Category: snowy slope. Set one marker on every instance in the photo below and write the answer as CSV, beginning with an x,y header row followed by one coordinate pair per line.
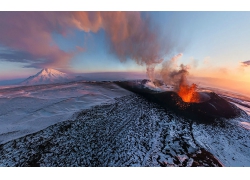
x,y
47,76
27,109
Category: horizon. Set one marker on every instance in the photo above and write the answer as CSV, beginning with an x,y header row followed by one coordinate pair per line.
x,y
240,87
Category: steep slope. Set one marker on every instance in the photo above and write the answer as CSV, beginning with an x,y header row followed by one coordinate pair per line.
x,y
46,76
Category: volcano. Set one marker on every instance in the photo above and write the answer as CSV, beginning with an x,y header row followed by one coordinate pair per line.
x,y
209,107
47,76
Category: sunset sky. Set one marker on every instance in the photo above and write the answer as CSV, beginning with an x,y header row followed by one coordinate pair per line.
x,y
214,44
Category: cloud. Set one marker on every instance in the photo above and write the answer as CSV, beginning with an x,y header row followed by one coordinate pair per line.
x,y
245,63
133,37
130,36
15,56
30,33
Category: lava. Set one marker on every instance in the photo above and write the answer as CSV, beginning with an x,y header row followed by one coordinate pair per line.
x,y
188,93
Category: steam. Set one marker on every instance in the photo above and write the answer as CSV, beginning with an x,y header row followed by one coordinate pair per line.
x,y
170,74
151,70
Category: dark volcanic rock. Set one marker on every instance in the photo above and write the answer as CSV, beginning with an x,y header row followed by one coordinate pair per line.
x,y
215,107
144,81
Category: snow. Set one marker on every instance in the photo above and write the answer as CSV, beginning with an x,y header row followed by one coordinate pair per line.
x,y
245,125
24,110
228,141
47,76
162,88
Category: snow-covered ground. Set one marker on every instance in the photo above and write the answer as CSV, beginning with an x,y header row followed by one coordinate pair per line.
x,y
101,124
27,109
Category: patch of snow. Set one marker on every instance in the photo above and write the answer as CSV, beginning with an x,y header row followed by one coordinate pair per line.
x,y
162,88
213,106
182,158
190,162
245,125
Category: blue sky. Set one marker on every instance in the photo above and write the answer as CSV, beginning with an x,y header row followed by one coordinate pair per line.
x,y
216,42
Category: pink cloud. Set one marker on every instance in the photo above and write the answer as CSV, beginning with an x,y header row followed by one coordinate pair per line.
x,y
129,34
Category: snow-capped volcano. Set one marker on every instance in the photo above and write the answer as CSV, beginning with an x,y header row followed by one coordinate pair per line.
x,y
46,76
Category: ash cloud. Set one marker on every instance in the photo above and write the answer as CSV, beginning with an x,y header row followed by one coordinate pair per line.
x,y
174,74
170,73
130,36
177,76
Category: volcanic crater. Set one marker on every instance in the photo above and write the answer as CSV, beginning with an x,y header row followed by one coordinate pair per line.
x,y
207,106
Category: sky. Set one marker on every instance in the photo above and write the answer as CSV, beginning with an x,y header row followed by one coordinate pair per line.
x,y
213,44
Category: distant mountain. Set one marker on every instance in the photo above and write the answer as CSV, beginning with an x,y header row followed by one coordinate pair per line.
x,y
47,76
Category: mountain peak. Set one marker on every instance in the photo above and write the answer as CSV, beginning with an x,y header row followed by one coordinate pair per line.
x,y
47,71
46,76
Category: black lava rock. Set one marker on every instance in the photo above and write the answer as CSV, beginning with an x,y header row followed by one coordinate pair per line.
x,y
214,108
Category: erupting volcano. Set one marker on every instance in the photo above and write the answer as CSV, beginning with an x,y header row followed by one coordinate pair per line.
x,y
186,100
189,93
178,78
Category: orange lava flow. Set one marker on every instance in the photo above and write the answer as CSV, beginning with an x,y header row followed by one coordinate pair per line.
x,y
188,93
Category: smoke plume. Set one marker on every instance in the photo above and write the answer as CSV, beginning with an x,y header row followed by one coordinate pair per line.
x,y
173,75
169,72
131,36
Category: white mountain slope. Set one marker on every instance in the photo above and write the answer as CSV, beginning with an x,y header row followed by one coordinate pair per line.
x,y
47,76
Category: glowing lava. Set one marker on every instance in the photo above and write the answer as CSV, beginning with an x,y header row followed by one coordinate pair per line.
x,y
188,93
